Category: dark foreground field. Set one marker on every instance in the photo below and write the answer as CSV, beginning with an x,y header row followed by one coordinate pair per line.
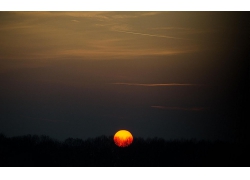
x,y
42,151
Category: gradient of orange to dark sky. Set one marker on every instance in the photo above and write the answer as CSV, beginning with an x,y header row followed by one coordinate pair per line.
x,y
158,74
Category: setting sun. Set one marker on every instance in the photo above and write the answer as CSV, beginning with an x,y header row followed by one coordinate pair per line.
x,y
123,138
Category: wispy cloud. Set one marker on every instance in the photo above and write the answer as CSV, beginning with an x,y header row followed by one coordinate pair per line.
x,y
110,51
150,13
180,108
86,14
154,85
171,28
152,35
76,21
16,26
85,35
185,30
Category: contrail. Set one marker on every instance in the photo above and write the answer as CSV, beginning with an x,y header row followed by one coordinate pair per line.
x,y
153,85
153,35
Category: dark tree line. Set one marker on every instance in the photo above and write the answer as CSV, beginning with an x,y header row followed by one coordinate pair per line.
x,y
43,151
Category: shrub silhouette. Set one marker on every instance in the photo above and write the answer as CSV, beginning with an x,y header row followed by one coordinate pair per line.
x,y
43,151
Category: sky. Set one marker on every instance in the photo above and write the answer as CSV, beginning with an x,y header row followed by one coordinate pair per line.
x,y
171,75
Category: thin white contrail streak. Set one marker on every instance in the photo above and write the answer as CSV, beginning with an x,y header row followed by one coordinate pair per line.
x,y
153,85
153,35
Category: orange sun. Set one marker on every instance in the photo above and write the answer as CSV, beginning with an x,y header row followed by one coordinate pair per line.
x,y
123,138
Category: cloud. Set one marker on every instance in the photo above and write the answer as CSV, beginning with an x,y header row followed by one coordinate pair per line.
x,y
152,35
180,108
16,26
120,28
154,85
150,13
76,21
79,14
100,51
123,16
186,30
100,15
171,28
133,15
98,35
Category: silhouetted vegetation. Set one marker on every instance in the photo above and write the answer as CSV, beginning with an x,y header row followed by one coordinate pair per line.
x,y
42,151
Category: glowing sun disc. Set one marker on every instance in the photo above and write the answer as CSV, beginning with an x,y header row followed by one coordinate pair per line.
x,y
123,138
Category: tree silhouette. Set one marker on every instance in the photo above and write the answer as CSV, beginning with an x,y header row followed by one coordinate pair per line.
x,y
43,151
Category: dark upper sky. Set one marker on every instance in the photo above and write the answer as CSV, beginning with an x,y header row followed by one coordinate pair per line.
x,y
157,74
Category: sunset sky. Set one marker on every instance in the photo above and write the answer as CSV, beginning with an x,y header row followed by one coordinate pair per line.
x,y
172,75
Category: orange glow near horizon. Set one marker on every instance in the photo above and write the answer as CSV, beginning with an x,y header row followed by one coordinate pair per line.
x,y
123,138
